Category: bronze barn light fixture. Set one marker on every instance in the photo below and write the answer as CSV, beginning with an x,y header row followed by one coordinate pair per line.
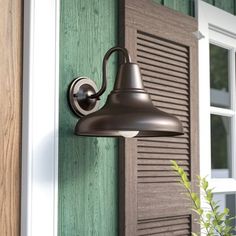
x,y
128,111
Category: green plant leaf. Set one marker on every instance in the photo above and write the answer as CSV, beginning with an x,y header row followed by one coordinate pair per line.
x,y
213,222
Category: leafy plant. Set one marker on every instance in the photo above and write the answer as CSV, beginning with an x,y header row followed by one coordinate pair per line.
x,y
212,221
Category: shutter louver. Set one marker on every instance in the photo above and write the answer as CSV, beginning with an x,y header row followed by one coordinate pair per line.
x,y
165,226
155,69
151,200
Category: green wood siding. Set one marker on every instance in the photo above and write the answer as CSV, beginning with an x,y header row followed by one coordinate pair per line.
x,y
227,5
187,6
88,181
183,6
87,166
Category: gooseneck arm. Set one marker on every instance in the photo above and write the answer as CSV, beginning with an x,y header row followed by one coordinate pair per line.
x,y
104,69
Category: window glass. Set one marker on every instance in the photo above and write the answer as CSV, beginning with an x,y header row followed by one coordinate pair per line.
x,y
226,201
219,78
220,146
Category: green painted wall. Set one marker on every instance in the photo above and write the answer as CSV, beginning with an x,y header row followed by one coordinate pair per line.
x,y
87,166
184,6
227,5
88,181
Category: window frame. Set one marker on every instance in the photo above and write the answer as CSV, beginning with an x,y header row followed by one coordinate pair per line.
x,y
218,27
40,112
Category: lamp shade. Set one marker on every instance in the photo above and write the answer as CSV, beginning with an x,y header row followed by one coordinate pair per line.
x,y
129,111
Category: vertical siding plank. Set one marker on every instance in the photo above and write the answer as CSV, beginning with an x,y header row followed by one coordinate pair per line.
x,y
159,1
234,7
87,166
11,19
229,5
210,1
192,8
225,5
182,6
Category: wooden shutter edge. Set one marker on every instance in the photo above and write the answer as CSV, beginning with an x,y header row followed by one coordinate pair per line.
x,y
194,123
127,159
127,186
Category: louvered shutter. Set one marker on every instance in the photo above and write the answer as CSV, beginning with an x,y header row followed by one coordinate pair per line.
x,y
162,42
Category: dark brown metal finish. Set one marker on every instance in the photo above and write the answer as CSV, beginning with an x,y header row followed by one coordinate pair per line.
x,y
104,68
129,108
79,91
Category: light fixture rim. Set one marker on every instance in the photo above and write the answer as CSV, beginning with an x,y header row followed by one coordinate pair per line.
x,y
116,134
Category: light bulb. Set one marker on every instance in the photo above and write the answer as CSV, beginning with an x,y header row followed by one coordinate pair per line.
x,y
128,134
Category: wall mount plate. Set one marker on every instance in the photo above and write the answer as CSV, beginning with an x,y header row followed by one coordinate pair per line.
x,y
78,93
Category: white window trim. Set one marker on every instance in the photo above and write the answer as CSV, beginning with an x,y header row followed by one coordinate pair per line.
x,y
40,118
216,26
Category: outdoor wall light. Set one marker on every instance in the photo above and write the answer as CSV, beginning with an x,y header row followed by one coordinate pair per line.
x,y
128,110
